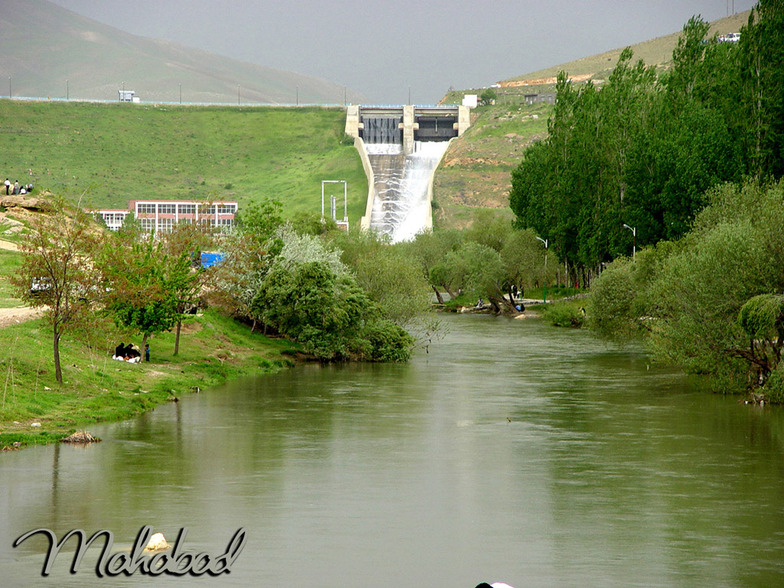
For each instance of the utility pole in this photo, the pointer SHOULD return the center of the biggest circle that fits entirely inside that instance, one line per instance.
(634, 239)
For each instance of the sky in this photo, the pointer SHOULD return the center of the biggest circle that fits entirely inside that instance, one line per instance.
(393, 50)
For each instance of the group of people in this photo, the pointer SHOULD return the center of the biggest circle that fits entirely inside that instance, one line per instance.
(131, 353)
(15, 188)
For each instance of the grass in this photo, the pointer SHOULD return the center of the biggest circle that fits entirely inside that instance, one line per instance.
(9, 263)
(96, 388)
(118, 152)
(476, 171)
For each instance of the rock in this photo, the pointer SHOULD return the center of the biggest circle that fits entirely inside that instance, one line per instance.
(157, 543)
(35, 424)
(22, 201)
(81, 437)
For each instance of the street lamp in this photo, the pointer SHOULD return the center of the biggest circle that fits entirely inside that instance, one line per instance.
(545, 241)
(634, 239)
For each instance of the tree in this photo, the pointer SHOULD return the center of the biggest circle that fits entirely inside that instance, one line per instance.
(709, 301)
(248, 254)
(762, 319)
(523, 259)
(388, 273)
(762, 51)
(488, 96)
(57, 273)
(308, 294)
(428, 250)
(146, 284)
(186, 241)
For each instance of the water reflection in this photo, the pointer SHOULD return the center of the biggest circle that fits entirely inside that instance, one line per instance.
(512, 451)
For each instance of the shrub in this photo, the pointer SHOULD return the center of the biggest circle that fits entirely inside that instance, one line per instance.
(565, 314)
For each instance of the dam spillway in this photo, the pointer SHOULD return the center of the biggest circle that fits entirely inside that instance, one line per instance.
(401, 148)
(401, 206)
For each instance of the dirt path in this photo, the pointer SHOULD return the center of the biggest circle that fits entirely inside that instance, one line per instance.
(13, 316)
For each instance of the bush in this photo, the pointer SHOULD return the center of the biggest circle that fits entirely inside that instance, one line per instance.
(565, 314)
(774, 387)
(388, 341)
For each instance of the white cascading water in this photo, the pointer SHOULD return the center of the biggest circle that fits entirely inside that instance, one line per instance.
(400, 205)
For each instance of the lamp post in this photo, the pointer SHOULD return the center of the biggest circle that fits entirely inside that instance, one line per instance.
(634, 239)
(546, 243)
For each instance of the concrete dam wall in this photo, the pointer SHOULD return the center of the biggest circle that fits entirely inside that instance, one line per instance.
(401, 147)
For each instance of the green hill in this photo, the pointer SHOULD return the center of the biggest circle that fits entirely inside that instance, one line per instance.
(120, 151)
(48, 51)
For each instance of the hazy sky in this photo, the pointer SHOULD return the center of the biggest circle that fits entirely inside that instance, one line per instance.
(386, 48)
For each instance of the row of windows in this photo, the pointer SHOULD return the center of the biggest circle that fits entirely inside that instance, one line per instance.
(149, 208)
(112, 218)
(165, 225)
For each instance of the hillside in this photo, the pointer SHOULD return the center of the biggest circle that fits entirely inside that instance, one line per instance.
(476, 169)
(48, 51)
(656, 52)
(116, 152)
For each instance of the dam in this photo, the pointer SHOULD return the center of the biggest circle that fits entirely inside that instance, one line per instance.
(400, 149)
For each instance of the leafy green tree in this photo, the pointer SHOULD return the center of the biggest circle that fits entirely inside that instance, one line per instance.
(187, 241)
(762, 68)
(523, 257)
(687, 297)
(388, 274)
(428, 250)
(762, 319)
(308, 294)
(260, 219)
(488, 96)
(146, 285)
(56, 272)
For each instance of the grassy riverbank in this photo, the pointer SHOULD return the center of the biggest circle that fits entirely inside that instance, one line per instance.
(35, 410)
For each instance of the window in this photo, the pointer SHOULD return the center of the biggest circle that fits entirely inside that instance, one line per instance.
(227, 208)
(167, 208)
(165, 225)
(148, 224)
(146, 208)
(186, 208)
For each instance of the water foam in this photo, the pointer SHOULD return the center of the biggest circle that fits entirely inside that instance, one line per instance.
(401, 208)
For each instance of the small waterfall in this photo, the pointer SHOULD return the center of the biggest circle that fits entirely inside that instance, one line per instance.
(400, 206)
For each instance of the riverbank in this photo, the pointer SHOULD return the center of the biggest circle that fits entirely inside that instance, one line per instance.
(35, 410)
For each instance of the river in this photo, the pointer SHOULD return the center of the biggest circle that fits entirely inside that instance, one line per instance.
(508, 450)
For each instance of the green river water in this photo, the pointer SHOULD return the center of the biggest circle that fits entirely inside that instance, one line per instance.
(509, 451)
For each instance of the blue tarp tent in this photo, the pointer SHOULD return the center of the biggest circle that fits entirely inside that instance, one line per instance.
(210, 259)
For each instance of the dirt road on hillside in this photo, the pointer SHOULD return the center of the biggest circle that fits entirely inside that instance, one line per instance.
(13, 316)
